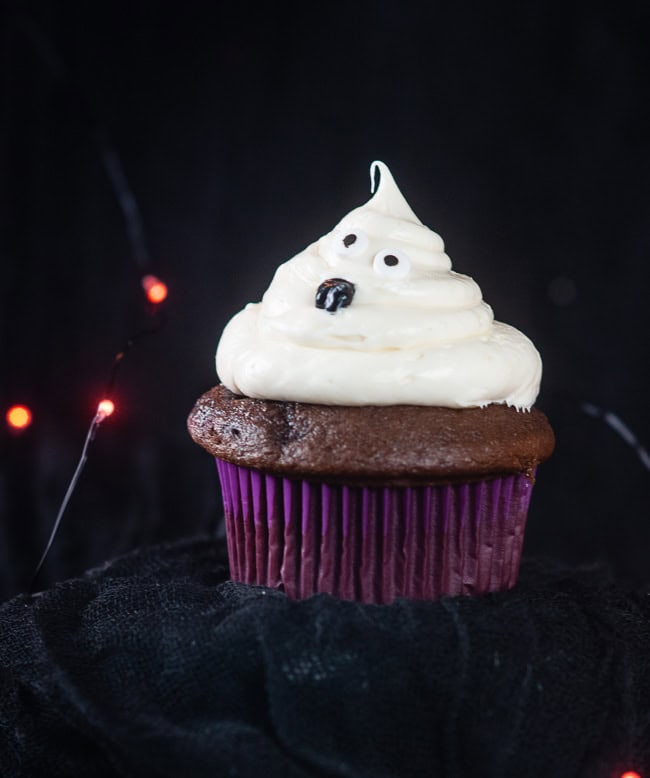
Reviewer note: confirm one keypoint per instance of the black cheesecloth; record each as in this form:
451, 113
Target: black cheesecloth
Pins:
158, 665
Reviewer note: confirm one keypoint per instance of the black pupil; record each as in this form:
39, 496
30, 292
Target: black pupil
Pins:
391, 260
349, 240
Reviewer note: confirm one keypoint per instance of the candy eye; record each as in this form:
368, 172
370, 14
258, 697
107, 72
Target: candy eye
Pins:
392, 263
350, 243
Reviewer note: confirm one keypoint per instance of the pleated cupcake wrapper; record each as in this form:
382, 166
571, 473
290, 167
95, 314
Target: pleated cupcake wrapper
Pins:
373, 544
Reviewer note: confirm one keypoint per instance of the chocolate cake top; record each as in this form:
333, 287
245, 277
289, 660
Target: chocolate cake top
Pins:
370, 445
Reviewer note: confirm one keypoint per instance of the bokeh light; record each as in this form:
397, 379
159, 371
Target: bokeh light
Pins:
19, 417
155, 289
105, 409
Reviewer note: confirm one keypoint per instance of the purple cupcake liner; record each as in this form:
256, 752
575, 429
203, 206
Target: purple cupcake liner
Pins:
373, 544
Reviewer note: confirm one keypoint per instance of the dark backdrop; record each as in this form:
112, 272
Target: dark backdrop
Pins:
519, 131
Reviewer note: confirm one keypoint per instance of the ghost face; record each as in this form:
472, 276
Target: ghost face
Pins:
391, 262
351, 249
375, 282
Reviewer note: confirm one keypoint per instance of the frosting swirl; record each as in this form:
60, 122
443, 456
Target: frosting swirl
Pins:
372, 314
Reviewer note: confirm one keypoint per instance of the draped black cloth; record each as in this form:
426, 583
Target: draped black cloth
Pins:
158, 665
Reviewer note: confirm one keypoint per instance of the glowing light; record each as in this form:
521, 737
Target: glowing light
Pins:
105, 409
155, 289
19, 417
631, 774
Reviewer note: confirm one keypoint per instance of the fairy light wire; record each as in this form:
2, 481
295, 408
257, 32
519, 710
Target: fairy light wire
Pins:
121, 355
615, 423
125, 198
104, 409
102, 413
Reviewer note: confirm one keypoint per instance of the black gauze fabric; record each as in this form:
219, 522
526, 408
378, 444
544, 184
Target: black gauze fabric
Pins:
157, 665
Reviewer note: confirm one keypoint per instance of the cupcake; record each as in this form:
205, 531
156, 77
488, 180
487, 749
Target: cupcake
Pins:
374, 427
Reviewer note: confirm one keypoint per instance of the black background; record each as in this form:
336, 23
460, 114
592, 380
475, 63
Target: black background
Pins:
518, 131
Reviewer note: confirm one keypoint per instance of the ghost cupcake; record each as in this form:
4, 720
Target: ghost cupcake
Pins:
374, 427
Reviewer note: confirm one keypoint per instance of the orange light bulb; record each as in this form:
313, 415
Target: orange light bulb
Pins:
105, 409
19, 417
157, 293
631, 774
155, 289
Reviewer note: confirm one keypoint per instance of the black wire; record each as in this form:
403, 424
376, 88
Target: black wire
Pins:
94, 424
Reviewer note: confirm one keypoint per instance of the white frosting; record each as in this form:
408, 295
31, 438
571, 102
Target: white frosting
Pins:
415, 331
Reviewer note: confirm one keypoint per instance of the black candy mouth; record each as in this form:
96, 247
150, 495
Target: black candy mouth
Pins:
334, 294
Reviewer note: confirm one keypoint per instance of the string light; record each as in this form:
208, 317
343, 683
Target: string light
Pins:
154, 288
19, 417
105, 409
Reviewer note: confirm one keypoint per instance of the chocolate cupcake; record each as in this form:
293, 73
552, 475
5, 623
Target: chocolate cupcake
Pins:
374, 429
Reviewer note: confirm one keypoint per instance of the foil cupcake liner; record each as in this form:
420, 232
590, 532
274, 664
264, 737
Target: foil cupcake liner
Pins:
373, 544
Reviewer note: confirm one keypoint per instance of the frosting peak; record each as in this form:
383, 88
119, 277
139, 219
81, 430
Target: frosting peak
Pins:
387, 198
372, 314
